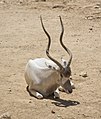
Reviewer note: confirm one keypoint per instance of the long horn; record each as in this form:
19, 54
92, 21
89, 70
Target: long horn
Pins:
48, 47
67, 50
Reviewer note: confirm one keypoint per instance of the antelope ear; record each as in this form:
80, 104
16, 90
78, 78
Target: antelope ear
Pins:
64, 63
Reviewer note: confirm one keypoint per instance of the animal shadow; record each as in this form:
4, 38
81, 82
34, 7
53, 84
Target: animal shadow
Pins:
63, 103
59, 102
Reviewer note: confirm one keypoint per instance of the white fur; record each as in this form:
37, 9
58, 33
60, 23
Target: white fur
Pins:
42, 77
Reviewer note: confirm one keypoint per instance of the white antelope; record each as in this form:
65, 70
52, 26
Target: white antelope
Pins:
44, 76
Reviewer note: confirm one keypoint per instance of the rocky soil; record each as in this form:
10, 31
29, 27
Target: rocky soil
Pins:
22, 38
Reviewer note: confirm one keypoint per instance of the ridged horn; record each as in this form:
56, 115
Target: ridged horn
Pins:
67, 50
48, 46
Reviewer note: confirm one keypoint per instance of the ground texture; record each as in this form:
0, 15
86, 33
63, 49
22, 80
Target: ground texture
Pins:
22, 38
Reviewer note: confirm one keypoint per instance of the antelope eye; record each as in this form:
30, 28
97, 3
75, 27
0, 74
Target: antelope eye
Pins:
49, 66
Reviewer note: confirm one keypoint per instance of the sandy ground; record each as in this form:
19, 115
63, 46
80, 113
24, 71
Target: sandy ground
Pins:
22, 38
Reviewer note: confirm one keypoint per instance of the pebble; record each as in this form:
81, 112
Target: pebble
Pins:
89, 17
91, 29
6, 115
52, 111
83, 74
30, 101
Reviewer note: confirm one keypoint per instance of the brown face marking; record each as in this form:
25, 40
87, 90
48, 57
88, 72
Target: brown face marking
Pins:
67, 72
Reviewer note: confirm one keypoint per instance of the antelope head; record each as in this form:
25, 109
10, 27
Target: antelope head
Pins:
64, 68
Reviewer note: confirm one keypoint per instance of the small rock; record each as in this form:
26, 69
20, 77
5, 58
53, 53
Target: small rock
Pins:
6, 115
83, 74
91, 29
90, 17
58, 6
30, 101
60, 117
21, 1
2, 1
97, 6
52, 111
9, 90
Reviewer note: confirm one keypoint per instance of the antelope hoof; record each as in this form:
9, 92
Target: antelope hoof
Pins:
39, 96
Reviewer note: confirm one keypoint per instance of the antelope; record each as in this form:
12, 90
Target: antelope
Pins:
44, 76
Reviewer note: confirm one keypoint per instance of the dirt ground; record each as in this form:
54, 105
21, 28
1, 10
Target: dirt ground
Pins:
22, 38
